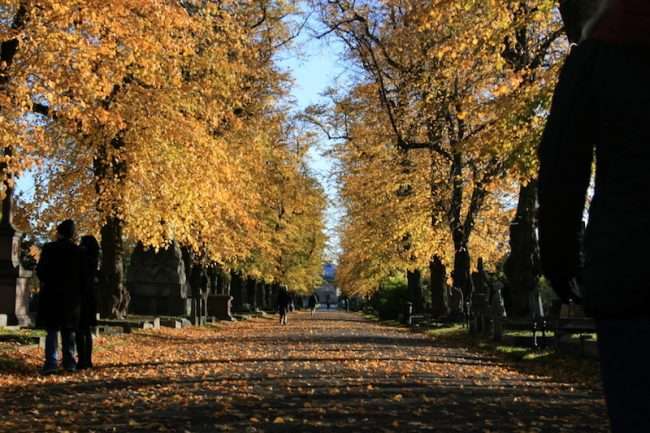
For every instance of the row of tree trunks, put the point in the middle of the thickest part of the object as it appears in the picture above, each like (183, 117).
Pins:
(522, 267)
(255, 294)
(437, 286)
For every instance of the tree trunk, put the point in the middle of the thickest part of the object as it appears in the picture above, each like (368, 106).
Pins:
(269, 297)
(275, 291)
(224, 282)
(236, 290)
(259, 294)
(523, 266)
(438, 287)
(111, 169)
(414, 279)
(461, 274)
(114, 297)
(250, 292)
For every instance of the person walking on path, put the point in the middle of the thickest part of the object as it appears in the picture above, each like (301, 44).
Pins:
(61, 274)
(602, 101)
(284, 303)
(313, 303)
(88, 317)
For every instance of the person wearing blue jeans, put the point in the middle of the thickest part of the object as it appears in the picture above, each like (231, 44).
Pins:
(601, 112)
(61, 272)
(68, 350)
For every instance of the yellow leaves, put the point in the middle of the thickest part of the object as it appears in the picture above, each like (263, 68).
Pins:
(165, 117)
(472, 91)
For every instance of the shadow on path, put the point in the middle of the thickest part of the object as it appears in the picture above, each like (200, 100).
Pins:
(339, 375)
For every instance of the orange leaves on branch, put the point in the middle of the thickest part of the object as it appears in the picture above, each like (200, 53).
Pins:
(164, 115)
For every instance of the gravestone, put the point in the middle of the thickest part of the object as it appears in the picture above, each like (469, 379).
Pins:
(497, 311)
(237, 290)
(456, 303)
(14, 287)
(480, 299)
(223, 280)
(157, 282)
(220, 306)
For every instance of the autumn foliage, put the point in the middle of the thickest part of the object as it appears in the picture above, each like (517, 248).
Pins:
(437, 130)
(155, 121)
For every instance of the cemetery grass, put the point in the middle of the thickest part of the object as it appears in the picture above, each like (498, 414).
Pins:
(335, 372)
(542, 361)
(548, 362)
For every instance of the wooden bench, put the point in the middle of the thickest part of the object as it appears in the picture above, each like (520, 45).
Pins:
(538, 326)
(572, 320)
(415, 320)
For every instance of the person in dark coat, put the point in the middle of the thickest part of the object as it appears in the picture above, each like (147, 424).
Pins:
(88, 317)
(60, 271)
(602, 102)
(284, 304)
(313, 303)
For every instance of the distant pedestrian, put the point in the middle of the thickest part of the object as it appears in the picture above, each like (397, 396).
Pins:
(284, 303)
(60, 271)
(313, 303)
(88, 318)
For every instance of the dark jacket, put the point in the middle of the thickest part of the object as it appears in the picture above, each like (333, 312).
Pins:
(284, 301)
(602, 102)
(60, 270)
(624, 22)
(88, 316)
(612, 21)
(313, 300)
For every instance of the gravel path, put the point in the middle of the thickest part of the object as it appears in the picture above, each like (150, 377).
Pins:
(332, 373)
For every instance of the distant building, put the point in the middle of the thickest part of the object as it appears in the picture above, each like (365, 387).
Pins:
(328, 292)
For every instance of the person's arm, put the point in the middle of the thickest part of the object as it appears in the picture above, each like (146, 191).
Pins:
(565, 155)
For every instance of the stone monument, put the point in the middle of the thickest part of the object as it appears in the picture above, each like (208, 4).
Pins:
(480, 299)
(158, 282)
(14, 288)
(219, 300)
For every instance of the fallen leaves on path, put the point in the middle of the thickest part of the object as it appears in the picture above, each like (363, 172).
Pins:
(334, 372)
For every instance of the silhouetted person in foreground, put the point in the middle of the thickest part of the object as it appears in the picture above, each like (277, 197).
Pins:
(60, 272)
(602, 102)
(284, 304)
(88, 318)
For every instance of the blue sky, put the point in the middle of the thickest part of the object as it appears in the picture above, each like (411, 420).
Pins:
(314, 69)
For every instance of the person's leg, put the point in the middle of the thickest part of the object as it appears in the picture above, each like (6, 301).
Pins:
(51, 343)
(89, 348)
(84, 348)
(68, 346)
(623, 349)
(81, 348)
